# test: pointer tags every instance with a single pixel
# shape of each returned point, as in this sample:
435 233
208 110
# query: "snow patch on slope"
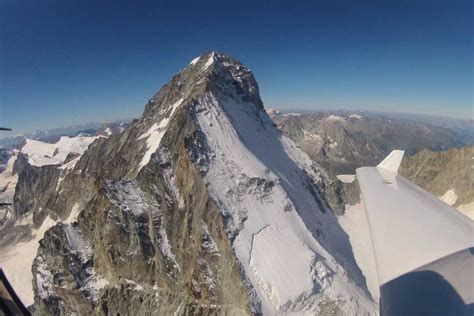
155 134
355 116
8 181
289 251
263 192
334 118
467 209
195 60
108 131
16 263
126 195
209 62
354 222
40 153
450 197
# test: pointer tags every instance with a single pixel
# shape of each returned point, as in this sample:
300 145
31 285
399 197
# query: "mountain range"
206 204
341 142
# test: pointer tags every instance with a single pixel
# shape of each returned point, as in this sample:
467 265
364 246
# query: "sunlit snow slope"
291 247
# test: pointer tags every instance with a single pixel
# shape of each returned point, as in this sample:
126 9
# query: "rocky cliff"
447 174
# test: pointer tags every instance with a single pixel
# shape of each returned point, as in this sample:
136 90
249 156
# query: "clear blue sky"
68 61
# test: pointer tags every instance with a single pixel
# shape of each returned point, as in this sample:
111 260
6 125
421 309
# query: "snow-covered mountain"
54 135
199 206
18 236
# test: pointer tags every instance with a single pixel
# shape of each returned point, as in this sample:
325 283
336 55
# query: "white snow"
209 61
272 111
467 209
165 247
127 195
168 175
296 277
78 244
309 136
195 60
154 135
258 178
334 118
355 116
73 214
354 222
41 153
108 131
450 197
8 181
70 164
292 114
16 262
208 243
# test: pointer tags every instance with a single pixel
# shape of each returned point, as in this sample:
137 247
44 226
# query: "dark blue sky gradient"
67 61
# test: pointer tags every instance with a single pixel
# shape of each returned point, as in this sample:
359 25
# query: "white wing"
413 231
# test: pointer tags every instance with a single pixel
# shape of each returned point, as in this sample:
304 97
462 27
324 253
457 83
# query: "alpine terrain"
447 174
200 206
342 141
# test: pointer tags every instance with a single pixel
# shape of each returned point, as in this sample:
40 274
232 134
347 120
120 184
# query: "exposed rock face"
36 189
155 241
447 174
183 210
341 143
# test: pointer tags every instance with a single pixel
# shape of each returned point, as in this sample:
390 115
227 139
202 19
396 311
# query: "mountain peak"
225 74
213 57
212 72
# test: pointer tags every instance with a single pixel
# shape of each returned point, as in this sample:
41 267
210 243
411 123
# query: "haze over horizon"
82 61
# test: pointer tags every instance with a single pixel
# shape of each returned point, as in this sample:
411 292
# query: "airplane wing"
423 247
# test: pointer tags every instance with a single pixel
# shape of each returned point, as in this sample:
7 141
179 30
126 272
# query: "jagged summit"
211 72
213 75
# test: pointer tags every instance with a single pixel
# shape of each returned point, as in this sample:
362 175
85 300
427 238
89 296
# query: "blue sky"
65 61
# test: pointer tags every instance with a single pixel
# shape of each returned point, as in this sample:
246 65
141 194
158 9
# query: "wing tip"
392 161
